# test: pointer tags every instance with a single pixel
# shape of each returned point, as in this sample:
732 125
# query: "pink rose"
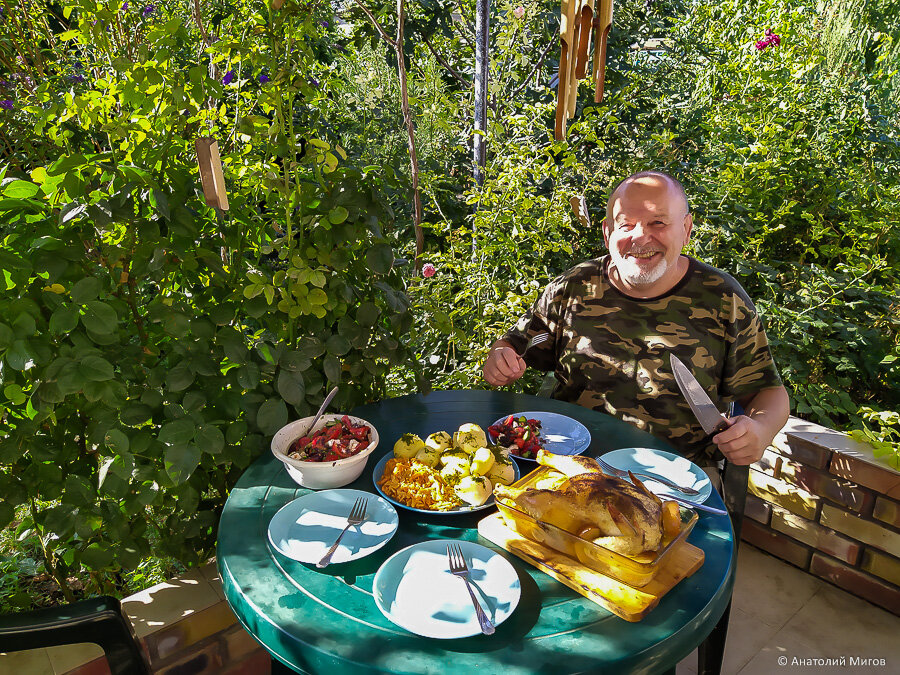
428 270
519 12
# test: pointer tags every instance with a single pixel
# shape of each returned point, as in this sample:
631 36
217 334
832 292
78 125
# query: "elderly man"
613 321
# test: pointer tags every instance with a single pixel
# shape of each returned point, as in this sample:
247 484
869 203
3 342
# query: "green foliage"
150 344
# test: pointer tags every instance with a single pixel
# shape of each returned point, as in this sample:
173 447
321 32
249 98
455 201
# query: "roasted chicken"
620 516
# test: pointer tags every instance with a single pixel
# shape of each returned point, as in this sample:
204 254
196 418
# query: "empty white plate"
305 528
415 589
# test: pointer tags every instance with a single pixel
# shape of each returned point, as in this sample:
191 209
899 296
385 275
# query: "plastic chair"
97 620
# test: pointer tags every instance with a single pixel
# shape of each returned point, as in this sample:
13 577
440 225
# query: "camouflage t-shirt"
609 351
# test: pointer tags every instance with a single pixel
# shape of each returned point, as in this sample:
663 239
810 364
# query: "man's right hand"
503 365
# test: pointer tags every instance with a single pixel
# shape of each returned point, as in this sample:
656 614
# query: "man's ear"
688 226
604 225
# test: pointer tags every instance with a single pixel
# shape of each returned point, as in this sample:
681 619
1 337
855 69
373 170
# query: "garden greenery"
151 344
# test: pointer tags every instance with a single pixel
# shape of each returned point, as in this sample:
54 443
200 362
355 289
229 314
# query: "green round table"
326 621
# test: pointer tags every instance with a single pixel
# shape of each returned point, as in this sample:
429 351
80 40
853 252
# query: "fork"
659 479
357 516
459 568
538 339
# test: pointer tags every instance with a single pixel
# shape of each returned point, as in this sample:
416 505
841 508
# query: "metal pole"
482 64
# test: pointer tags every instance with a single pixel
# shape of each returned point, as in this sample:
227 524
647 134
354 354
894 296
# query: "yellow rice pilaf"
415 484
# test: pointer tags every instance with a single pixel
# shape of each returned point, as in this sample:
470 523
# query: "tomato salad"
338 439
519 434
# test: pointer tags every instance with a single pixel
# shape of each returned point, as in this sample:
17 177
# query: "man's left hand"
744 441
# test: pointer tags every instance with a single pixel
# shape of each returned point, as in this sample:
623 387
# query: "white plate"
415 590
561 435
666 464
379 471
305 528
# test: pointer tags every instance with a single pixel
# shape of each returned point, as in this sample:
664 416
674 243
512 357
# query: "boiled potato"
501 454
474 490
408 445
453 473
469 437
439 440
428 456
502 472
482 461
455 457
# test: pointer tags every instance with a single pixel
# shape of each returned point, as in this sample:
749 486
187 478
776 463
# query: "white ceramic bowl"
321 475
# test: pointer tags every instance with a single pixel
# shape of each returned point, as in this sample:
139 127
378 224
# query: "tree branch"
537 66
377 25
446 65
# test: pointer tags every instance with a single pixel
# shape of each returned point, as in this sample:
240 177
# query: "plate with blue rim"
378 471
676 468
559 434
305 528
415 590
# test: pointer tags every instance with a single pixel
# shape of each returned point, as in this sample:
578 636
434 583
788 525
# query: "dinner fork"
659 479
459 568
357 516
538 339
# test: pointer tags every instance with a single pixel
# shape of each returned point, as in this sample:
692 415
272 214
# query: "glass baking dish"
635 571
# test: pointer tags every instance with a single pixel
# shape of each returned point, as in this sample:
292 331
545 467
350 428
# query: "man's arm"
503 365
765 413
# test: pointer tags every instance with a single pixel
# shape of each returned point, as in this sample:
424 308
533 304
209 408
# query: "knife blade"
693 505
704 409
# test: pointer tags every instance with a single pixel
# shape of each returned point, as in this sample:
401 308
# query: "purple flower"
770 40
4 83
77 78
148 10
323 23
124 6
263 78
229 77
6 105
313 82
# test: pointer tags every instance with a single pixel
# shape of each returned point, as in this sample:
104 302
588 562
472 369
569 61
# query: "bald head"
647 178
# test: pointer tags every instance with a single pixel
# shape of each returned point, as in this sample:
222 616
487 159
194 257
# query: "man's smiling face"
647 227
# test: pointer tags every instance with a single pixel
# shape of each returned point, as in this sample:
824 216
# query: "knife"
704 409
693 505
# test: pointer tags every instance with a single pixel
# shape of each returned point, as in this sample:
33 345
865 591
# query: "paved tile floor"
781 613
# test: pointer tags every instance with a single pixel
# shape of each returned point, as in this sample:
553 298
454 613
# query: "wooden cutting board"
632 604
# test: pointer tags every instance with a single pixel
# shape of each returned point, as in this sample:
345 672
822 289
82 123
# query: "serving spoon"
322 407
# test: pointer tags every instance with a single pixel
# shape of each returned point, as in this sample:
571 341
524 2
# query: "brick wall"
822 502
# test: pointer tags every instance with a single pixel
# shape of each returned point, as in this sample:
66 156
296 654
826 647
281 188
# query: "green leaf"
6 336
180 377
95 369
317 297
337 345
116 441
271 416
86 289
18 355
337 215
96 556
64 320
210 439
178 432
99 317
7 513
332 368
20 189
380 258
367 314
291 387
135 414
14 393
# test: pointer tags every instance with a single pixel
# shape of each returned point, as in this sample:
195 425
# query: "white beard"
634 275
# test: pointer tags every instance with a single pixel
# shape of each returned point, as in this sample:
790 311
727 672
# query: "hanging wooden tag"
579 206
566 35
602 24
211 175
